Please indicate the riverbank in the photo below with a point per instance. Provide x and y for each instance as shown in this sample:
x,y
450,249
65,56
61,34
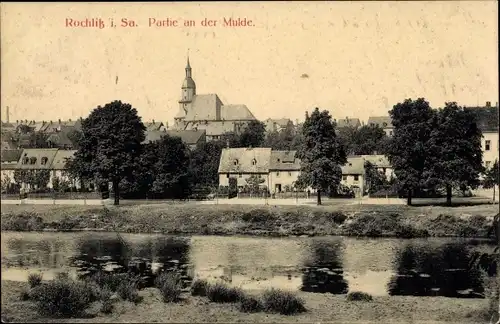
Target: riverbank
x,y
348,220
320,308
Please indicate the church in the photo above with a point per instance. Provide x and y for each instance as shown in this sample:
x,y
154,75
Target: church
x,y
207,112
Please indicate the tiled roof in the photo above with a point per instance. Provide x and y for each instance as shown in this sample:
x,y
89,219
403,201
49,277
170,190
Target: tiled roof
x,y
214,128
11,155
153,126
204,107
189,137
348,122
382,121
38,154
284,161
354,165
245,160
236,112
153,136
59,138
60,159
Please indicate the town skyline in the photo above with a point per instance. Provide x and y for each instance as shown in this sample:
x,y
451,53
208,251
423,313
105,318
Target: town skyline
x,y
339,57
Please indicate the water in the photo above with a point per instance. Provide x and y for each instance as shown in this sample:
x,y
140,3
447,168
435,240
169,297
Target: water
x,y
336,265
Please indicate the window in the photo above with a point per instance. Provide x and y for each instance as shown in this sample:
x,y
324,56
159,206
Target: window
x,y
25,160
227,175
277,173
278,160
488,163
235,162
44,160
33,160
487,145
384,170
390,133
385,124
344,178
356,177
254,162
239,175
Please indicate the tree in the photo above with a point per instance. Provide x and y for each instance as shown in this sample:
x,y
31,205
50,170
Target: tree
x,y
491,179
253,135
204,164
454,149
283,140
40,178
321,154
407,151
375,179
171,170
74,136
254,182
362,141
6,181
110,145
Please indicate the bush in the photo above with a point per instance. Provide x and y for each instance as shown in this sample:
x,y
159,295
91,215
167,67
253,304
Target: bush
x,y
62,298
110,280
249,304
24,295
359,296
62,276
35,279
221,293
338,217
170,285
128,291
257,216
26,221
107,306
282,302
199,288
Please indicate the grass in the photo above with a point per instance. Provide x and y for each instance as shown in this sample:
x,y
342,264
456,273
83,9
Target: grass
x,y
359,296
320,308
348,220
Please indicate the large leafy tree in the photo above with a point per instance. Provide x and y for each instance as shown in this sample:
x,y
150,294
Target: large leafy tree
x,y
454,149
253,134
283,140
407,150
171,170
110,145
321,154
364,140
204,164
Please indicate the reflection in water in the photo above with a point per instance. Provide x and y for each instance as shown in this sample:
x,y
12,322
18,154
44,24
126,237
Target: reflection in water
x,y
438,271
323,271
325,265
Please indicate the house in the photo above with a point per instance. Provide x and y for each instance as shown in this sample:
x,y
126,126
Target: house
x,y
35,160
277,125
284,170
207,112
242,163
384,122
381,163
487,121
60,140
189,137
348,122
353,174
155,126
10,158
58,166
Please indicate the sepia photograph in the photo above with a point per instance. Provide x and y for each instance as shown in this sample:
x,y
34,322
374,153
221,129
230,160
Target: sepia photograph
x,y
250,162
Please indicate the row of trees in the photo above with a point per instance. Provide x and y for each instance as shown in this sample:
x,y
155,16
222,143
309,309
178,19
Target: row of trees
x,y
430,148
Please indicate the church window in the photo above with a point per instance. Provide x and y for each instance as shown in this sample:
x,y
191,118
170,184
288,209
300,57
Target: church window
x,y
254,162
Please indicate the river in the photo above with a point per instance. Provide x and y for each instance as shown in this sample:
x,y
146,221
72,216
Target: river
x,y
336,265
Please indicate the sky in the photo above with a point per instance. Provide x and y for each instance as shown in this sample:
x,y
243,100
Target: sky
x,y
355,59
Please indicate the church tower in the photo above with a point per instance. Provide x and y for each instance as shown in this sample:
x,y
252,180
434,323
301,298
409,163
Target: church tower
x,y
188,91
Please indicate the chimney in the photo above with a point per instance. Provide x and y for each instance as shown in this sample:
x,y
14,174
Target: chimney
x,y
7,114
227,142
488,104
69,119
59,120
153,121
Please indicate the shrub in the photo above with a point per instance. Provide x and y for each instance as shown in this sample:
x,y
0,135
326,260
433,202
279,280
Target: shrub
x,y
35,279
62,276
221,293
128,291
25,221
199,288
282,302
62,298
257,216
24,295
249,304
338,217
170,285
359,296
107,306
110,280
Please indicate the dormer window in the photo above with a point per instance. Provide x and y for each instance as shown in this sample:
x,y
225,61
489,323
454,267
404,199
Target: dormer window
x,y
44,160
385,124
235,162
278,160
33,160
254,162
25,160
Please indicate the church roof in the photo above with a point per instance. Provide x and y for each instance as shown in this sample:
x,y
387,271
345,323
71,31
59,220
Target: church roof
x,y
188,83
236,112
203,107
189,137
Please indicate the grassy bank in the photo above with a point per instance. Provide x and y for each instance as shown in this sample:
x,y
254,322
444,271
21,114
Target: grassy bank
x,y
150,306
349,220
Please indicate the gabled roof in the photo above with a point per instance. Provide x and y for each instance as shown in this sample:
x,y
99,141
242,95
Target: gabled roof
x,y
382,121
153,125
153,136
354,166
204,107
38,155
284,161
214,128
236,112
59,138
379,160
348,122
189,137
60,159
245,160
11,155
